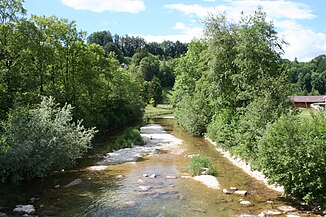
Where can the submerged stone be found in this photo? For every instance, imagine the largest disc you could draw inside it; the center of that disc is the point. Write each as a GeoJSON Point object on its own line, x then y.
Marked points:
{"type": "Point", "coordinates": [208, 180]}
{"type": "Point", "coordinates": [28, 209]}
{"type": "Point", "coordinates": [73, 183]}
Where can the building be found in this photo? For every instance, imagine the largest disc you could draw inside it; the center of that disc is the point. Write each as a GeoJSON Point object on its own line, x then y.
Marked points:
{"type": "Point", "coordinates": [306, 101]}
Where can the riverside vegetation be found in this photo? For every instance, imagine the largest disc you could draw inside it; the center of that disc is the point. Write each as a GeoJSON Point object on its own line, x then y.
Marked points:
{"type": "Point", "coordinates": [232, 85]}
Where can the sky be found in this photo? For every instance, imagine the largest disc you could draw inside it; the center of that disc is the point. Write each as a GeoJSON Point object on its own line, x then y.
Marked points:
{"type": "Point", "coordinates": [301, 23]}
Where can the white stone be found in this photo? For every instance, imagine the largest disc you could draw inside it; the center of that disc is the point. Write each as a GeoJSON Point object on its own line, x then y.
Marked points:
{"type": "Point", "coordinates": [145, 175]}
{"type": "Point", "coordinates": [233, 188]}
{"type": "Point", "coordinates": [171, 177]}
{"type": "Point", "coordinates": [208, 180]}
{"type": "Point", "coordinates": [241, 192]}
{"type": "Point", "coordinates": [271, 213]}
{"type": "Point", "coordinates": [245, 202]}
{"type": "Point", "coordinates": [97, 168]}
{"type": "Point", "coordinates": [145, 188]}
{"type": "Point", "coordinates": [29, 209]}
{"type": "Point", "coordinates": [185, 177]}
{"type": "Point", "coordinates": [286, 208]}
{"type": "Point", "coordinates": [153, 176]}
{"type": "Point", "coordinates": [226, 191]}
{"type": "Point", "coordinates": [73, 183]}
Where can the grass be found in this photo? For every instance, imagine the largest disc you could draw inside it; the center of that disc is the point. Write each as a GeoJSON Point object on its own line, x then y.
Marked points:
{"type": "Point", "coordinates": [159, 111]}
{"type": "Point", "coordinates": [199, 162]}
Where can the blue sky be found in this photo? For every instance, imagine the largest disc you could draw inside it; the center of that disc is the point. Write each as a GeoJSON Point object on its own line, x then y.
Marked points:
{"type": "Point", "coordinates": [301, 23]}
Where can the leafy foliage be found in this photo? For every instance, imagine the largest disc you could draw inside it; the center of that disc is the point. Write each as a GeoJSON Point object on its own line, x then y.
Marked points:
{"type": "Point", "coordinates": [199, 163]}
{"type": "Point", "coordinates": [130, 137]}
{"type": "Point", "coordinates": [292, 153]}
{"type": "Point", "coordinates": [41, 140]}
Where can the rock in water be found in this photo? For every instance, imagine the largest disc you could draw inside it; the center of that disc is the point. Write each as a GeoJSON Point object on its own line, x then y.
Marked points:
{"type": "Point", "coordinates": [241, 192]}
{"type": "Point", "coordinates": [245, 202]}
{"type": "Point", "coordinates": [208, 180]}
{"type": "Point", "coordinates": [145, 188]}
{"type": "Point", "coordinates": [171, 177]}
{"type": "Point", "coordinates": [73, 183]}
{"type": "Point", "coordinates": [27, 209]}
{"type": "Point", "coordinates": [286, 208]}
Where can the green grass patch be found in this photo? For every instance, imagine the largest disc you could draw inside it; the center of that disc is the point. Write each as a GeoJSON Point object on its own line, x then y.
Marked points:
{"type": "Point", "coordinates": [130, 137]}
{"type": "Point", "coordinates": [159, 111]}
{"type": "Point", "coordinates": [200, 163]}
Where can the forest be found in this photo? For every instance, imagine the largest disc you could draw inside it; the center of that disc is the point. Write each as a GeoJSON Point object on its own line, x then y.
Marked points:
{"type": "Point", "coordinates": [60, 87]}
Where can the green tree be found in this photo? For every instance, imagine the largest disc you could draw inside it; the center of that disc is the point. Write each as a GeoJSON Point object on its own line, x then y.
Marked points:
{"type": "Point", "coordinates": [41, 140]}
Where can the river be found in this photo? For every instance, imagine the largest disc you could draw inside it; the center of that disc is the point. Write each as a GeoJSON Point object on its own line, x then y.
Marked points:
{"type": "Point", "coordinates": [122, 189]}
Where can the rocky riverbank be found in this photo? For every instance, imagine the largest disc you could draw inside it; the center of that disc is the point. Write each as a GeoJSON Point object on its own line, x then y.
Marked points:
{"type": "Point", "coordinates": [245, 167]}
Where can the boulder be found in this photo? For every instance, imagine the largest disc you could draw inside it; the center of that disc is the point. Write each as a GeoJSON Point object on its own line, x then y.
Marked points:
{"type": "Point", "coordinates": [26, 209]}
{"type": "Point", "coordinates": [208, 180]}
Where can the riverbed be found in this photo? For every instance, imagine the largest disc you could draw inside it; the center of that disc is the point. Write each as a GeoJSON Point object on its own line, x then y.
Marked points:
{"type": "Point", "coordinates": [157, 183]}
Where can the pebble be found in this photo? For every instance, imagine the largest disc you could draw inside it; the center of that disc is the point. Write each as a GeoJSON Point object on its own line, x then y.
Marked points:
{"type": "Point", "coordinates": [140, 181]}
{"type": "Point", "coordinates": [241, 192]}
{"type": "Point", "coordinates": [73, 183]}
{"type": "Point", "coordinates": [286, 208]}
{"type": "Point", "coordinates": [185, 177]}
{"type": "Point", "coordinates": [153, 176]}
{"type": "Point", "coordinates": [145, 188]}
{"type": "Point", "coordinates": [233, 188]}
{"type": "Point", "coordinates": [245, 202]}
{"type": "Point", "coordinates": [171, 177]}
{"type": "Point", "coordinates": [226, 191]}
{"type": "Point", "coordinates": [271, 213]}
{"type": "Point", "coordinates": [145, 175]}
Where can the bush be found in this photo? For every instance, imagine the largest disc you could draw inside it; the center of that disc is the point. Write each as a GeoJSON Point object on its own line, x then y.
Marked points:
{"type": "Point", "coordinates": [130, 137]}
{"type": "Point", "coordinates": [41, 140]}
{"type": "Point", "coordinates": [199, 162]}
{"type": "Point", "coordinates": [293, 154]}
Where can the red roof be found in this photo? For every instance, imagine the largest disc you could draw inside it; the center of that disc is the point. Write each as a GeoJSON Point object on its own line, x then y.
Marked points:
{"type": "Point", "coordinates": [309, 99]}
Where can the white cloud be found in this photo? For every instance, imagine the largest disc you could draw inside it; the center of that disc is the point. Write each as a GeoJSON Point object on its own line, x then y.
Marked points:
{"type": "Point", "coordinates": [209, 0]}
{"type": "Point", "coordinates": [233, 8]}
{"type": "Point", "coordinates": [129, 6]}
{"type": "Point", "coordinates": [186, 35]}
{"type": "Point", "coordinates": [304, 44]}
{"type": "Point", "coordinates": [197, 10]}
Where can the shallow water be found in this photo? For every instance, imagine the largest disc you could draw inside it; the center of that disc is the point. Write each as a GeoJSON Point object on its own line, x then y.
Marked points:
{"type": "Point", "coordinates": [121, 190]}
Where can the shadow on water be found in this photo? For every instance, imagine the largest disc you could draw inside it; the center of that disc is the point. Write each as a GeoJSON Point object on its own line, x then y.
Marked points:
{"type": "Point", "coordinates": [122, 190]}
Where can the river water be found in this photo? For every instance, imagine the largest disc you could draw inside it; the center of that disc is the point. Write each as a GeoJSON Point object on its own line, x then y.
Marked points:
{"type": "Point", "coordinates": [122, 189]}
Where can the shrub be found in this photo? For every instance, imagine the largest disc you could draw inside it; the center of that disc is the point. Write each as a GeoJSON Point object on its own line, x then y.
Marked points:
{"type": "Point", "coordinates": [293, 154]}
{"type": "Point", "coordinates": [130, 137]}
{"type": "Point", "coordinates": [41, 140]}
{"type": "Point", "coordinates": [199, 162]}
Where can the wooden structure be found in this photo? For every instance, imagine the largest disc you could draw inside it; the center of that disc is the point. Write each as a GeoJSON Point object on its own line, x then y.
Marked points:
{"type": "Point", "coordinates": [306, 101]}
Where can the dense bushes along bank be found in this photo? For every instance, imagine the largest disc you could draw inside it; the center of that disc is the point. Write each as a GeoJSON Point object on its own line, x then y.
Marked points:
{"type": "Point", "coordinates": [234, 86]}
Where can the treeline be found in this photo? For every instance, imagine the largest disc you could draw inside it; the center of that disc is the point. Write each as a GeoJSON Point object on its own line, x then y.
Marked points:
{"type": "Point", "coordinates": [57, 84]}
{"type": "Point", "coordinates": [309, 77]}
{"type": "Point", "coordinates": [233, 85]}
{"type": "Point", "coordinates": [126, 46]}
{"type": "Point", "coordinates": [154, 61]}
